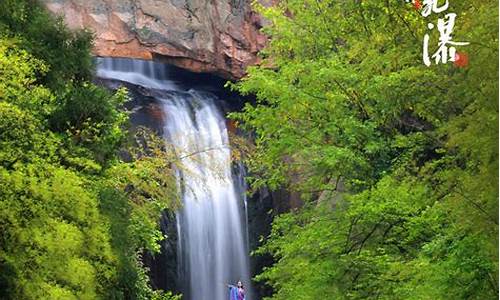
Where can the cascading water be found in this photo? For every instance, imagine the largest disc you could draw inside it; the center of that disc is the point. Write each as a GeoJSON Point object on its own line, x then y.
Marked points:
{"type": "Point", "coordinates": [210, 223]}
{"type": "Point", "coordinates": [147, 74]}
{"type": "Point", "coordinates": [212, 242]}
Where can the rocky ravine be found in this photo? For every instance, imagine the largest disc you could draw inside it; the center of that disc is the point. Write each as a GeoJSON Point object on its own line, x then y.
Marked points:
{"type": "Point", "coordinates": [219, 36]}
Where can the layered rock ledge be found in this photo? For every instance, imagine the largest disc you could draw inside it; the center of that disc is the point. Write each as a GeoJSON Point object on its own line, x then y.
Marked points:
{"type": "Point", "coordinates": [217, 36]}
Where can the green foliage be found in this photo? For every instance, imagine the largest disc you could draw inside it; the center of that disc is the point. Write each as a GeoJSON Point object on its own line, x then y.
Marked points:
{"type": "Point", "coordinates": [18, 69]}
{"type": "Point", "coordinates": [66, 53]}
{"type": "Point", "coordinates": [148, 183]}
{"type": "Point", "coordinates": [146, 293]}
{"type": "Point", "coordinates": [54, 240]}
{"type": "Point", "coordinates": [88, 116]}
{"type": "Point", "coordinates": [399, 161]}
{"type": "Point", "coordinates": [133, 197]}
{"type": "Point", "coordinates": [74, 218]}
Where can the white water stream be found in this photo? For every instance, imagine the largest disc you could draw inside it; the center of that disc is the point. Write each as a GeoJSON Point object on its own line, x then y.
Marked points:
{"type": "Point", "coordinates": [212, 236]}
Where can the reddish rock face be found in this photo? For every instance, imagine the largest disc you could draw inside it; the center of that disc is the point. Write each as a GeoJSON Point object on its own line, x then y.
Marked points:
{"type": "Point", "coordinates": [219, 36]}
{"type": "Point", "coordinates": [156, 113]}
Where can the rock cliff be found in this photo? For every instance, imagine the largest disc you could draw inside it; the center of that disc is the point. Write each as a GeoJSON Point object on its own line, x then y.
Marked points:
{"type": "Point", "coordinates": [219, 36]}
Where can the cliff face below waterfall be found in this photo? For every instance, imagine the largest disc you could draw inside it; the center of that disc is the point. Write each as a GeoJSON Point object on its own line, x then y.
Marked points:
{"type": "Point", "coordinates": [217, 36]}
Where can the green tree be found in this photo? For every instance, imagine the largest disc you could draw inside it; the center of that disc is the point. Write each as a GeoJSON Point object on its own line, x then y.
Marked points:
{"type": "Point", "coordinates": [74, 217]}
{"type": "Point", "coordinates": [398, 161]}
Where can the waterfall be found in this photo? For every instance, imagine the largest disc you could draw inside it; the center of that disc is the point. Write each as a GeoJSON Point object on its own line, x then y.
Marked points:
{"type": "Point", "coordinates": [145, 73]}
{"type": "Point", "coordinates": [212, 235]}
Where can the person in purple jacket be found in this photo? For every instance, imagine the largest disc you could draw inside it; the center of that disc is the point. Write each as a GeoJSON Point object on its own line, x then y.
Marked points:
{"type": "Point", "coordinates": [236, 292]}
{"type": "Point", "coordinates": [241, 291]}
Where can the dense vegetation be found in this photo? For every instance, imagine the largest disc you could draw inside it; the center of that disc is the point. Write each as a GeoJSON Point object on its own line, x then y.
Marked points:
{"type": "Point", "coordinates": [397, 162]}
{"type": "Point", "coordinates": [74, 218]}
